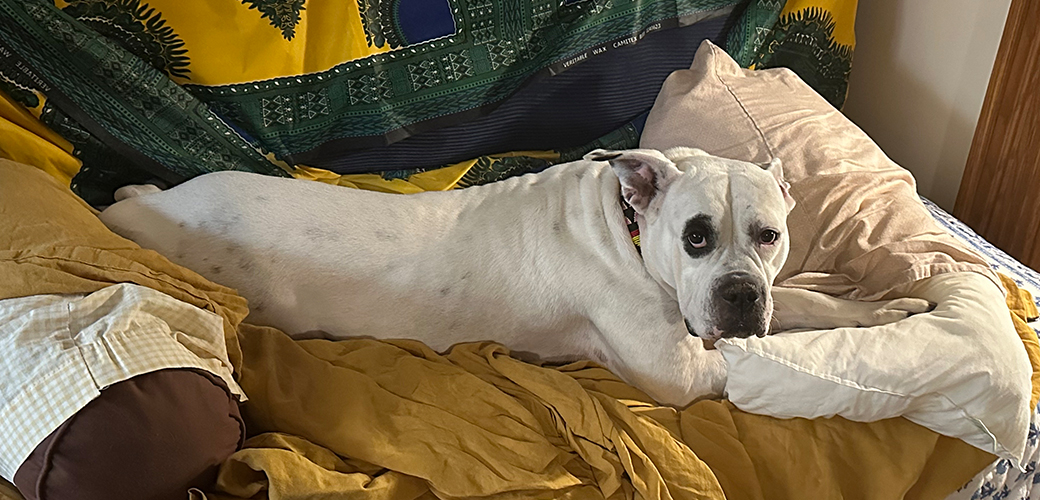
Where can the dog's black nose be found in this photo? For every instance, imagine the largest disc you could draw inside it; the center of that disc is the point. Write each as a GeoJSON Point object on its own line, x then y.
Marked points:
{"type": "Point", "coordinates": [740, 294]}
{"type": "Point", "coordinates": [740, 305]}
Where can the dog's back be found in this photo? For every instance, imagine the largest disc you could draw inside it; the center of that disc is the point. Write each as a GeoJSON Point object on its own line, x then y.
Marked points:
{"type": "Point", "coordinates": [438, 267]}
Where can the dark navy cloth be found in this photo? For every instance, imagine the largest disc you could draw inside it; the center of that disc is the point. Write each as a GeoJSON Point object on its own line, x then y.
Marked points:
{"type": "Point", "coordinates": [423, 20]}
{"type": "Point", "coordinates": [568, 109]}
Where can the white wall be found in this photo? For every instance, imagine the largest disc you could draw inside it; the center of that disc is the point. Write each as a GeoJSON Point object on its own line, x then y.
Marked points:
{"type": "Point", "coordinates": [919, 76]}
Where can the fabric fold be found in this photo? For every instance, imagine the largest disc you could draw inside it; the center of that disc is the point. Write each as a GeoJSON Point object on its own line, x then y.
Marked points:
{"type": "Point", "coordinates": [51, 242]}
{"type": "Point", "coordinates": [393, 419]}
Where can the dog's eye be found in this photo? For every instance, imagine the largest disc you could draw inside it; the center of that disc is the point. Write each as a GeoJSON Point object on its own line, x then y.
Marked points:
{"type": "Point", "coordinates": [768, 237]}
{"type": "Point", "coordinates": [698, 236]}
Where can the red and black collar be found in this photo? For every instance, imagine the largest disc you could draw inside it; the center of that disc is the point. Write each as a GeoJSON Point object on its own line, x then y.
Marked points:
{"type": "Point", "coordinates": [630, 221]}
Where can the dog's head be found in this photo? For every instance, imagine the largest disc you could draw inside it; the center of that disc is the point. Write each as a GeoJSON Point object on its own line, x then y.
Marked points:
{"type": "Point", "coordinates": [713, 230]}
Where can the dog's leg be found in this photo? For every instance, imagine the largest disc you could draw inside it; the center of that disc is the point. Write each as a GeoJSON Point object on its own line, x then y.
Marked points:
{"type": "Point", "coordinates": [796, 308]}
{"type": "Point", "coordinates": [710, 382]}
{"type": "Point", "coordinates": [677, 370]}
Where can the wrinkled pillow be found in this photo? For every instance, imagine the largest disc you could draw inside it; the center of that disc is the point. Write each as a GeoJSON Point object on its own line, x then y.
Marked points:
{"type": "Point", "coordinates": [959, 370]}
{"type": "Point", "coordinates": [859, 231]}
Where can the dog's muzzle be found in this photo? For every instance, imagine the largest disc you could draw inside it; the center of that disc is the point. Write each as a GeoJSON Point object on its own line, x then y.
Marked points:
{"type": "Point", "coordinates": [739, 306]}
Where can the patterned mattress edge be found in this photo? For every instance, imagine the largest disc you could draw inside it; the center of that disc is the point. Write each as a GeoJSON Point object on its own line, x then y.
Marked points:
{"type": "Point", "coordinates": [999, 260]}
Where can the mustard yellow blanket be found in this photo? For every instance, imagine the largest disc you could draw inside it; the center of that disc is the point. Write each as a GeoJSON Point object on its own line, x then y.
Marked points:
{"type": "Point", "coordinates": [395, 420]}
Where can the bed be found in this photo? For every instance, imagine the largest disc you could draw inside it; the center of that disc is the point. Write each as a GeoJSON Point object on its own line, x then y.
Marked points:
{"type": "Point", "coordinates": [92, 109]}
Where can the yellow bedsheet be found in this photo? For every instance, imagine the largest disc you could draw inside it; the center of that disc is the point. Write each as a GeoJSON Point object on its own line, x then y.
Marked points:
{"type": "Point", "coordinates": [477, 423]}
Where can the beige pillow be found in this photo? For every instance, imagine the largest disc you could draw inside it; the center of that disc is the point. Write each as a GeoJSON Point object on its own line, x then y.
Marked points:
{"type": "Point", "coordinates": [857, 210]}
{"type": "Point", "coordinates": [859, 230]}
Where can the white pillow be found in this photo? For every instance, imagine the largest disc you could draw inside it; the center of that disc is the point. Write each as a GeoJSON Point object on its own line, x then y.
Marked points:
{"type": "Point", "coordinates": [858, 231]}
{"type": "Point", "coordinates": [959, 370]}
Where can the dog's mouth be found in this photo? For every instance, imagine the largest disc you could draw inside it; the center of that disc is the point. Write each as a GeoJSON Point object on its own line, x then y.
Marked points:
{"type": "Point", "coordinates": [713, 335]}
{"type": "Point", "coordinates": [709, 342]}
{"type": "Point", "coordinates": [716, 333]}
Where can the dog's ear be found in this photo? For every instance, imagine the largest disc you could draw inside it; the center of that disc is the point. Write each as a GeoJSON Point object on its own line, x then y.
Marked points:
{"type": "Point", "coordinates": [644, 173]}
{"type": "Point", "coordinates": [776, 168]}
{"type": "Point", "coordinates": [679, 152]}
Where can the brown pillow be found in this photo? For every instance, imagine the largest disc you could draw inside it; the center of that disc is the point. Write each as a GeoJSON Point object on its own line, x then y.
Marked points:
{"type": "Point", "coordinates": [151, 437]}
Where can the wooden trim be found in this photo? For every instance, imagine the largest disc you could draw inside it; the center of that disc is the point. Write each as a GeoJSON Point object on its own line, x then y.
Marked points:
{"type": "Point", "coordinates": [999, 195]}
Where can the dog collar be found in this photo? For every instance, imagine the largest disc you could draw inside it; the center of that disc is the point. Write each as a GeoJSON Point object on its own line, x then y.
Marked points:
{"type": "Point", "coordinates": [630, 221]}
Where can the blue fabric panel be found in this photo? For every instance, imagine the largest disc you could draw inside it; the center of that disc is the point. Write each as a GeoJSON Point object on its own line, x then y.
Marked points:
{"type": "Point", "coordinates": [422, 20]}
{"type": "Point", "coordinates": [568, 109]}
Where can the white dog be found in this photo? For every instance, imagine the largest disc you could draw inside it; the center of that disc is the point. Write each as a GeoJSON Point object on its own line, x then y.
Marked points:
{"type": "Point", "coordinates": [541, 263]}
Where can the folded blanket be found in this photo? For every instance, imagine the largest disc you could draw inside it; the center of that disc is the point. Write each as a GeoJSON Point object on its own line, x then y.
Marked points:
{"type": "Point", "coordinates": [52, 243]}
{"type": "Point", "coordinates": [9, 492]}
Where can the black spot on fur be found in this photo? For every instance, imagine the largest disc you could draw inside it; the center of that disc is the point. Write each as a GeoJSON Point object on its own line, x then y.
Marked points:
{"type": "Point", "coordinates": [321, 234]}
{"type": "Point", "coordinates": [699, 229]}
{"type": "Point", "coordinates": [384, 235]}
{"type": "Point", "coordinates": [216, 269]}
{"type": "Point", "coordinates": [604, 156]}
{"type": "Point", "coordinates": [445, 291]}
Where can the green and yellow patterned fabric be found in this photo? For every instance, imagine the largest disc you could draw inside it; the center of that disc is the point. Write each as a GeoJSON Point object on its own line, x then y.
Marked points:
{"type": "Point", "coordinates": [164, 90]}
{"type": "Point", "coordinates": [815, 38]}
{"type": "Point", "coordinates": [474, 172]}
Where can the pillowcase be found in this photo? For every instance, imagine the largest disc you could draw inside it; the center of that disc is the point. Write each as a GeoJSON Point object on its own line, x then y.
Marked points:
{"type": "Point", "coordinates": [959, 370]}
{"type": "Point", "coordinates": [152, 436]}
{"type": "Point", "coordinates": [62, 353]}
{"type": "Point", "coordinates": [859, 231]}
{"type": "Point", "coordinates": [83, 310]}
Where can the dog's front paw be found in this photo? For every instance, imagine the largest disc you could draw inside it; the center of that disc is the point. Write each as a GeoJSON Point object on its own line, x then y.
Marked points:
{"type": "Point", "coordinates": [894, 310]}
{"type": "Point", "coordinates": [701, 377]}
